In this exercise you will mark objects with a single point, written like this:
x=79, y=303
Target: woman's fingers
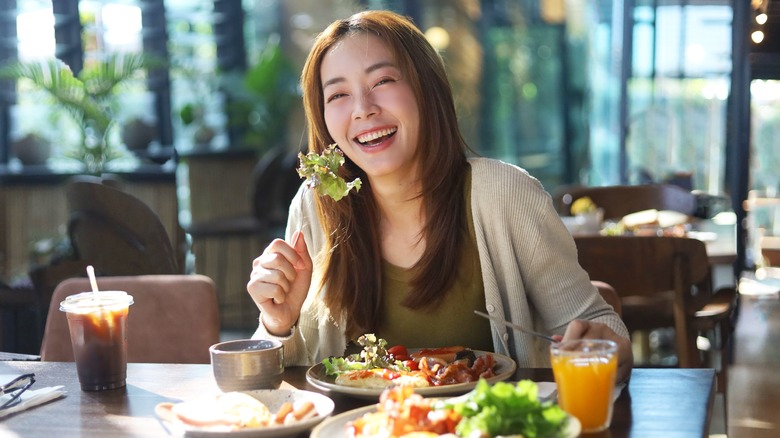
x=280, y=281
x=580, y=329
x=301, y=249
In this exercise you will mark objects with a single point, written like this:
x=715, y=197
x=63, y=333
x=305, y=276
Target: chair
x=174, y=318
x=610, y=295
x=116, y=232
x=666, y=282
x=223, y=246
x=618, y=201
x=274, y=184
x=21, y=318
x=763, y=226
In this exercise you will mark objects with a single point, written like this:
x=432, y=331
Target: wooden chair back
x=275, y=182
x=662, y=282
x=116, y=232
x=174, y=318
x=618, y=201
x=610, y=295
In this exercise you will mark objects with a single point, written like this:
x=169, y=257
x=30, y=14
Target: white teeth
x=374, y=135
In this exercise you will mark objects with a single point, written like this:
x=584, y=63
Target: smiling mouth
x=376, y=137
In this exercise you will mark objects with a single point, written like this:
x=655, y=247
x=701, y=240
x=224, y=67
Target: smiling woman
x=431, y=236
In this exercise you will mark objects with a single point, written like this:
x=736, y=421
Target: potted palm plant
x=88, y=98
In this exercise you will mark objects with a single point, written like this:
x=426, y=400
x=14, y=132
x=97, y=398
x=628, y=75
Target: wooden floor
x=754, y=376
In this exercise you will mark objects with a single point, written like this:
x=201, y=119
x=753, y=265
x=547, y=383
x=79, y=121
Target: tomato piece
x=399, y=352
x=412, y=365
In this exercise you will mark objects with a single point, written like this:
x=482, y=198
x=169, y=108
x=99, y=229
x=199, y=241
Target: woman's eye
x=335, y=96
x=384, y=81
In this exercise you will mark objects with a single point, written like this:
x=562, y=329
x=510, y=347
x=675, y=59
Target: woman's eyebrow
x=369, y=69
x=333, y=81
x=378, y=65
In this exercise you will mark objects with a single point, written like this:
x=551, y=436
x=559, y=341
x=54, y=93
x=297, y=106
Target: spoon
x=515, y=326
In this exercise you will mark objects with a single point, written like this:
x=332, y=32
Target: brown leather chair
x=666, y=282
x=174, y=318
x=618, y=201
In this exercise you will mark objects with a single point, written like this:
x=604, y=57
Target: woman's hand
x=279, y=282
x=581, y=329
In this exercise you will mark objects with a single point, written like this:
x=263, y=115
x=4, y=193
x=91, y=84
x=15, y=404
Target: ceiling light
x=438, y=37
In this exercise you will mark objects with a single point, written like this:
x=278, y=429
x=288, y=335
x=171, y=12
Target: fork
x=312, y=183
x=515, y=326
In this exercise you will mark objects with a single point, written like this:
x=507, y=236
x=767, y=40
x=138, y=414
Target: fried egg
x=381, y=378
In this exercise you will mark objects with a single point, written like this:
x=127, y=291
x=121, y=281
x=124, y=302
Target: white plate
x=661, y=218
x=505, y=368
x=336, y=427
x=273, y=399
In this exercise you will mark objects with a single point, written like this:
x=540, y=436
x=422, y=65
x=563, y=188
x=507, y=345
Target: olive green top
x=528, y=261
x=451, y=323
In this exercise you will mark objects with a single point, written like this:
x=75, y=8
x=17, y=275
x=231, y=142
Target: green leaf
x=321, y=172
x=373, y=355
x=506, y=409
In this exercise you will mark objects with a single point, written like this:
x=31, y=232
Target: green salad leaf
x=505, y=409
x=321, y=173
x=373, y=355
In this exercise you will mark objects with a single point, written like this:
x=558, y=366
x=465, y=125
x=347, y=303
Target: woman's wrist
x=277, y=331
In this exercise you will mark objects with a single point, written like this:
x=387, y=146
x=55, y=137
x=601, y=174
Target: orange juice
x=585, y=376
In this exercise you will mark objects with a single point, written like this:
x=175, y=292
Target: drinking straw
x=92, y=280
x=91, y=274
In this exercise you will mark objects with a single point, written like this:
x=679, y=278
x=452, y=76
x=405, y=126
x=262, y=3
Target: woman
x=431, y=236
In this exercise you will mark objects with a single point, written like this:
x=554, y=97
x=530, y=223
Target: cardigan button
x=506, y=337
x=490, y=308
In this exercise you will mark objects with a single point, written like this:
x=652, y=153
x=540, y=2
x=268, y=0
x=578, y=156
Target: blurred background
x=205, y=127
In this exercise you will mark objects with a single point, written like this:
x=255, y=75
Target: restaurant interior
x=648, y=118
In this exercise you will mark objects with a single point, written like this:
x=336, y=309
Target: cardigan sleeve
x=316, y=335
x=529, y=261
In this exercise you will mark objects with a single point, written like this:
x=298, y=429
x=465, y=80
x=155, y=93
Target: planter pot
x=31, y=150
x=137, y=135
x=202, y=137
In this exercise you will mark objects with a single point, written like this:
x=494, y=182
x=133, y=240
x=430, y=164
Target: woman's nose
x=364, y=107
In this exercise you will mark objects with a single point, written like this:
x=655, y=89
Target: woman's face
x=370, y=109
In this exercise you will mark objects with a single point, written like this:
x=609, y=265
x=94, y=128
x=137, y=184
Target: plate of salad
x=502, y=409
x=376, y=359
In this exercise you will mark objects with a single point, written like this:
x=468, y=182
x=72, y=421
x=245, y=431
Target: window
x=86, y=35
x=677, y=95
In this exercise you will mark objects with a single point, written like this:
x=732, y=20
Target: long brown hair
x=353, y=263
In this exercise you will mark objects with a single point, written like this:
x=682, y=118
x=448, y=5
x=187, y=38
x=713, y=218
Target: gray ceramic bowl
x=247, y=364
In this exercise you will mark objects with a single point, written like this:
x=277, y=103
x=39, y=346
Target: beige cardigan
x=529, y=268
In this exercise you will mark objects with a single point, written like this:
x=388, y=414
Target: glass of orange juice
x=584, y=373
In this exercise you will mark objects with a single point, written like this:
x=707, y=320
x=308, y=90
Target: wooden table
x=657, y=402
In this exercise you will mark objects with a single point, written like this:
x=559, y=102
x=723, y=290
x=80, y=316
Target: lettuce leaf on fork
x=321, y=173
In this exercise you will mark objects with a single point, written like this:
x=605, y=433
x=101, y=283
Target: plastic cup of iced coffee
x=98, y=334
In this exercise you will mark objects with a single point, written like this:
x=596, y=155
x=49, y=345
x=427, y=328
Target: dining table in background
x=666, y=402
x=720, y=240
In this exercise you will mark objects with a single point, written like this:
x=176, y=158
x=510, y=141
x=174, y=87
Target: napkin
x=31, y=398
